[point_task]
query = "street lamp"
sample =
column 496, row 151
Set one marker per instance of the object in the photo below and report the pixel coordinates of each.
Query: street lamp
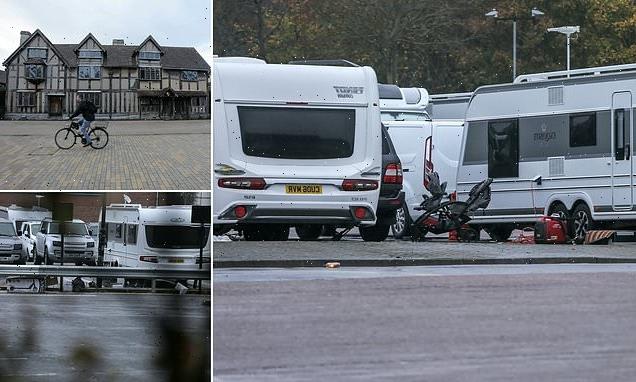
column 534, row 13
column 567, row 31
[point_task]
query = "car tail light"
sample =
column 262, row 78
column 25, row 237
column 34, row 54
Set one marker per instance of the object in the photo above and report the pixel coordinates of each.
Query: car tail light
column 240, row 211
column 148, row 259
column 243, row 183
column 359, row 185
column 453, row 196
column 393, row 174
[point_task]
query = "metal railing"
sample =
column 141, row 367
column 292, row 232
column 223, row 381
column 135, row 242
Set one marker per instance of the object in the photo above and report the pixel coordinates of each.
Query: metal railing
column 117, row 272
column 42, row 271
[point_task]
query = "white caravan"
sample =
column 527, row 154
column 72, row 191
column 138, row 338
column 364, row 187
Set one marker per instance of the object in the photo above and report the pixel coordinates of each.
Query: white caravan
column 422, row 145
column 18, row 215
column 448, row 106
column 294, row 145
column 154, row 237
column 554, row 142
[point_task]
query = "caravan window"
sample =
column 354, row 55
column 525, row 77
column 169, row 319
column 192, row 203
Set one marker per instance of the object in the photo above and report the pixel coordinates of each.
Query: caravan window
column 404, row 116
column 114, row 233
column 131, row 234
column 503, row 149
column 622, row 134
column 297, row 133
column 583, row 130
column 175, row 237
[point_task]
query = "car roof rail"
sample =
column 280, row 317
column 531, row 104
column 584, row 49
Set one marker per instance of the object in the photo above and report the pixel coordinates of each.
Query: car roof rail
column 338, row 62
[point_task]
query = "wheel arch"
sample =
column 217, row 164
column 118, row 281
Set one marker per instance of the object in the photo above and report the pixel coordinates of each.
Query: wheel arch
column 570, row 200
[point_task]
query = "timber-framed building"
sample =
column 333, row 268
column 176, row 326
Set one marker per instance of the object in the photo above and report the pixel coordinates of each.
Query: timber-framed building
column 145, row 81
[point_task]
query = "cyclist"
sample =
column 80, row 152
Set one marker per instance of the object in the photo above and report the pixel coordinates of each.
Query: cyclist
column 87, row 109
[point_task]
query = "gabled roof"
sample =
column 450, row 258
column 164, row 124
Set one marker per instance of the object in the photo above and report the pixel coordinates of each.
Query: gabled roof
column 183, row 58
column 27, row 41
column 150, row 38
column 89, row 36
column 122, row 56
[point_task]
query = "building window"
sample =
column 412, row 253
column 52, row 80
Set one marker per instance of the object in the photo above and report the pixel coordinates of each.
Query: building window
column 94, row 97
column 583, row 130
column 149, row 104
column 26, row 99
column 155, row 56
column 189, row 75
column 90, row 54
column 34, row 72
column 149, row 73
column 37, row 53
column 89, row 72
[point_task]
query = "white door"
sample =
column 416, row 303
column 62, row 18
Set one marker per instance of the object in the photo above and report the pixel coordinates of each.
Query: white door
column 410, row 140
column 622, row 158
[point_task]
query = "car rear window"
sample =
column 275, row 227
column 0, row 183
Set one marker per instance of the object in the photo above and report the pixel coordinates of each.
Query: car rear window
column 297, row 133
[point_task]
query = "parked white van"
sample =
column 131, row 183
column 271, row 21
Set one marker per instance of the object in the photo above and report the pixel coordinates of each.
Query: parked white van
column 423, row 145
column 10, row 244
column 154, row 237
column 554, row 142
column 18, row 215
column 294, row 145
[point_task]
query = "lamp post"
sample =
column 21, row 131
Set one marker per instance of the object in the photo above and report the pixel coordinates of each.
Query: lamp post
column 534, row 13
column 567, row 31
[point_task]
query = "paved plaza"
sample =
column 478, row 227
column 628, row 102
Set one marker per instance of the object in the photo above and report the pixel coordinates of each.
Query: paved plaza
column 141, row 155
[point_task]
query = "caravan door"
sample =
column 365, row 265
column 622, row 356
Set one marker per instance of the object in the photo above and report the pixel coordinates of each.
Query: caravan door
column 622, row 143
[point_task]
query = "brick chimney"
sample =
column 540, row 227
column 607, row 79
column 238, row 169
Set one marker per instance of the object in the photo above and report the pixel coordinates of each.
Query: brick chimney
column 118, row 41
column 24, row 35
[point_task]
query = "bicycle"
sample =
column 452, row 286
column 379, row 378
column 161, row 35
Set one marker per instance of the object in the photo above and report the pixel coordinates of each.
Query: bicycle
column 66, row 137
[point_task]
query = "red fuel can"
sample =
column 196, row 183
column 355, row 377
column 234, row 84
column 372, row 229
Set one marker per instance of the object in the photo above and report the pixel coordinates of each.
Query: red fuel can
column 550, row 230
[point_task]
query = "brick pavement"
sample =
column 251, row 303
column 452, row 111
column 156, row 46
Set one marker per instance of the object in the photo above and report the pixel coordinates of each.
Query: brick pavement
column 141, row 155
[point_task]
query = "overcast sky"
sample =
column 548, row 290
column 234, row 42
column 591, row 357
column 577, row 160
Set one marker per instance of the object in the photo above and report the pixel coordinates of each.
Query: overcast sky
column 170, row 22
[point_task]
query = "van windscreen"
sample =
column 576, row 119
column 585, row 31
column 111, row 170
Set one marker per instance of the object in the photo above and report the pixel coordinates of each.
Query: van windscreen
column 297, row 133
column 7, row 229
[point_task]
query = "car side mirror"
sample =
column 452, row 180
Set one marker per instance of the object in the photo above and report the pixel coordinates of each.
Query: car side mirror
column 90, row 232
column 43, row 230
column 19, row 233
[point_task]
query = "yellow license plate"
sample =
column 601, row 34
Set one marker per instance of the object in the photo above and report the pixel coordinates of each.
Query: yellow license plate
column 175, row 260
column 303, row 189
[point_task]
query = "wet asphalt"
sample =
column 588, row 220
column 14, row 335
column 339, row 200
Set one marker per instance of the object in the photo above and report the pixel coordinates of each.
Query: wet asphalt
column 470, row 323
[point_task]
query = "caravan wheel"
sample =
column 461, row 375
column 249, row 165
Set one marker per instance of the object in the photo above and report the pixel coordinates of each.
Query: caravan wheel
column 582, row 223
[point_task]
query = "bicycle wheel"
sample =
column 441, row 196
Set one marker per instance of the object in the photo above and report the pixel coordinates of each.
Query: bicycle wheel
column 99, row 138
column 65, row 138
